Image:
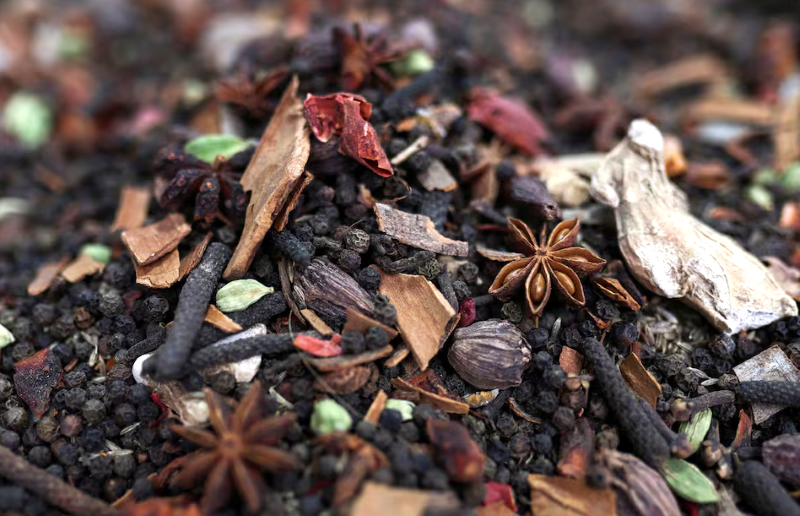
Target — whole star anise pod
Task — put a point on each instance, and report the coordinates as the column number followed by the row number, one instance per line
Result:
column 242, row 443
column 215, row 186
column 251, row 95
column 362, row 58
column 547, row 261
column 176, row 506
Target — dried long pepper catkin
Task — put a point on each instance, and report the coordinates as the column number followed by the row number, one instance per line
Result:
column 679, row 444
column 51, row 489
column 781, row 393
column 148, row 345
column 235, row 350
column 762, row 492
column 647, row 442
column 170, row 360
column 685, row 409
column 291, row 247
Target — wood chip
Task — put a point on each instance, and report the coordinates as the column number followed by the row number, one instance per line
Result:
column 743, row 429
column 219, row 320
column 437, row 177
column 424, row 316
column 698, row 69
column 161, row 274
column 786, row 134
column 398, row 356
column 344, row 361
column 132, row 210
column 498, row 256
column 359, row 322
column 283, row 217
column 772, row 364
column 45, row 276
column 377, row 406
column 431, row 391
column 149, row 243
column 570, row 360
column 273, row 176
column 559, row 496
column 518, row 410
column 81, row 267
column 417, row 231
column 395, row 501
column 731, row 110
column 640, row 380
column 317, row 323
column 191, row 260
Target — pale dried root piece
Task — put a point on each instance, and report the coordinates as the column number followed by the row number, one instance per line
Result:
column 674, row 254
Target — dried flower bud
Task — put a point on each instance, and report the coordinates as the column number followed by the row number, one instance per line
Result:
column 330, row 291
column 782, row 457
column 641, row 490
column 490, row 354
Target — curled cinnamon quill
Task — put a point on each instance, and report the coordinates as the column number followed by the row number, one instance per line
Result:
column 674, row 254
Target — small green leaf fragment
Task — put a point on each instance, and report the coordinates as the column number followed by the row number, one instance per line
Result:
column 404, row 407
column 239, row 294
column 416, row 62
column 697, row 428
column 765, row 177
column 790, row 180
column 688, row 482
column 6, row 337
column 28, row 117
column 761, row 196
column 99, row 252
column 209, row 146
column 329, row 416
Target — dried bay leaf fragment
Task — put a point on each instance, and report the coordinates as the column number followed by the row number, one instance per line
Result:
column 558, row 496
column 424, row 317
column 674, row 254
column 417, row 231
column 272, row 177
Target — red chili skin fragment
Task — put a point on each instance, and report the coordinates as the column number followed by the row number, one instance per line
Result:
column 467, row 310
column 319, row 347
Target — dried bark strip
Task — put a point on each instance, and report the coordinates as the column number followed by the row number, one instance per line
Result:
column 377, row 406
column 697, row 69
column 149, row 243
column 344, row 381
column 160, row 274
column 558, row 496
column 132, row 210
column 50, row 488
column 359, row 322
column 398, row 356
column 45, row 276
column 640, row 380
column 786, row 134
column 219, row 320
column 499, row 256
column 439, row 401
column 456, row 451
column 424, row 316
column 317, row 323
column 272, row 177
column 283, row 217
column 733, row 110
column 395, row 501
column 437, row 177
column 345, row 361
column 191, row 260
column 81, row 267
column 417, row 231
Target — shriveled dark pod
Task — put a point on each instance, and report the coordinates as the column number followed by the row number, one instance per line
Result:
column 490, row 354
column 169, row 361
column 329, row 291
column 779, row 393
column 647, row 442
column 404, row 265
column 762, row 492
column 532, row 193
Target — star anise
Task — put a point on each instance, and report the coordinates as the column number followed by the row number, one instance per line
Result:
column 251, row 95
column 241, row 444
column 362, row 58
column 547, row 261
column 175, row 506
column 215, row 185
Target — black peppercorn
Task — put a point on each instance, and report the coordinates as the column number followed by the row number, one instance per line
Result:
column 353, row 342
column 376, row 337
column 71, row 425
column 40, row 456
column 369, row 278
column 124, row 465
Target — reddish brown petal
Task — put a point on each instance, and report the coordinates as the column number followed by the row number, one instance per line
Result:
column 355, row 59
column 269, row 431
column 218, row 487
column 582, row 261
column 613, row 289
column 270, row 459
column 360, row 141
column 562, row 276
column 202, row 438
column 537, row 308
column 248, row 483
column 505, row 284
column 564, row 235
column 521, row 237
column 325, row 116
column 510, row 119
